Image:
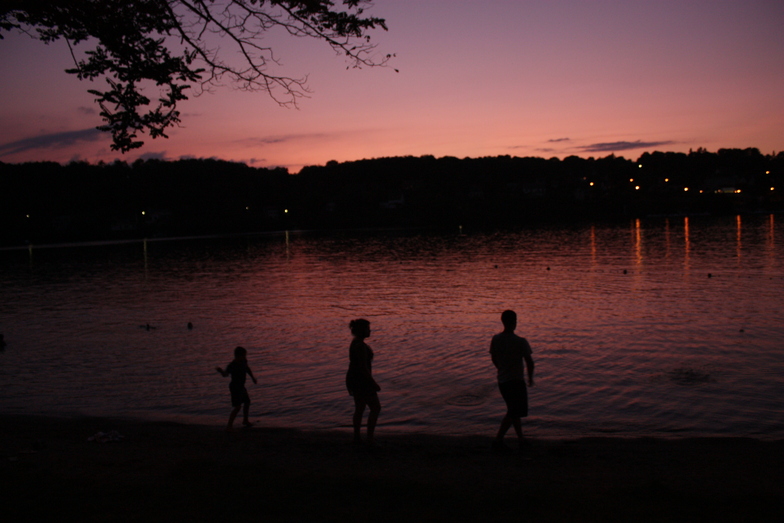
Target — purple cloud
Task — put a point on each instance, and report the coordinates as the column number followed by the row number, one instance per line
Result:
column 50, row 141
column 153, row 156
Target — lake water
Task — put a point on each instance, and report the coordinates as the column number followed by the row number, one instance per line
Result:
column 659, row 327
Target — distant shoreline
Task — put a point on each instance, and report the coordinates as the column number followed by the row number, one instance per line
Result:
column 327, row 232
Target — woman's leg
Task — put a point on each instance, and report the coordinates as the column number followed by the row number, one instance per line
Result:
column 375, row 409
column 359, row 409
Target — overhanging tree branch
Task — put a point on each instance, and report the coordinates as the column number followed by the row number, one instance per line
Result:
column 163, row 44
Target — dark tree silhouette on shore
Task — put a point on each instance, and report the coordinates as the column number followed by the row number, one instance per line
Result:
column 47, row 201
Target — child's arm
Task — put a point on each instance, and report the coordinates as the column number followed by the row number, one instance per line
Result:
column 250, row 373
column 221, row 372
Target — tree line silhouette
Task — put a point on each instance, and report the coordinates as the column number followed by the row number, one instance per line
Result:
column 49, row 202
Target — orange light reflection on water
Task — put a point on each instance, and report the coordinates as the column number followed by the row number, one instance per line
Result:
column 638, row 255
column 686, row 244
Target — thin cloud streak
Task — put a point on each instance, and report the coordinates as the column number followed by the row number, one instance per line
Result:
column 609, row 147
column 51, row 141
column 274, row 140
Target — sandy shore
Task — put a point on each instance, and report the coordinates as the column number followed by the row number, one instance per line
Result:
column 175, row 472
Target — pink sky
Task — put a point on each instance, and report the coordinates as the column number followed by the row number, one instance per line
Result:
column 477, row 78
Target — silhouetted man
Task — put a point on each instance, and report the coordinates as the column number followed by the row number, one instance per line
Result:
column 508, row 351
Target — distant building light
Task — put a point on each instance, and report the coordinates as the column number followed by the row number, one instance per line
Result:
column 591, row 184
column 631, row 180
column 143, row 213
column 685, row 188
column 639, row 165
column 636, row 187
column 285, row 211
column 737, row 191
column 666, row 180
column 767, row 172
column 772, row 188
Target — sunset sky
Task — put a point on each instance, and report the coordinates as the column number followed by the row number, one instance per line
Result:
column 476, row 78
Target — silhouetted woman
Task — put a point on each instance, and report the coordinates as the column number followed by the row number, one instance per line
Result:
column 360, row 382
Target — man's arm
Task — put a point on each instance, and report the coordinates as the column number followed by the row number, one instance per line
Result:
column 529, row 365
column 493, row 353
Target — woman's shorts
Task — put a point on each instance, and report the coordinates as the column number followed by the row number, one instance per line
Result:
column 515, row 395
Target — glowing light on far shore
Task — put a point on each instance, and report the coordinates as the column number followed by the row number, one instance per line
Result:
column 686, row 189
column 636, row 187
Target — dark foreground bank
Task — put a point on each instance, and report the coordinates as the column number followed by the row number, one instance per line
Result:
column 175, row 472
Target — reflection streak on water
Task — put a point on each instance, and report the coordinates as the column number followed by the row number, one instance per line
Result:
column 614, row 351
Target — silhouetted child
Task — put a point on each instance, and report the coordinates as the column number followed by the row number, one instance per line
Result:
column 237, row 369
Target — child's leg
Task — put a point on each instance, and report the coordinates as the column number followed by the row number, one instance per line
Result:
column 233, row 415
column 518, row 427
column 245, row 409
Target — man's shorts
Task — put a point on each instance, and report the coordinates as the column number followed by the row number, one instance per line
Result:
column 515, row 395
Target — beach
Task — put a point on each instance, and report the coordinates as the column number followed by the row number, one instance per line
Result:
column 98, row 469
